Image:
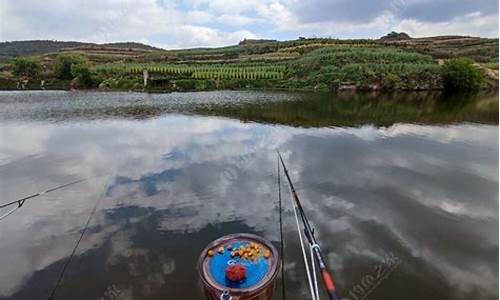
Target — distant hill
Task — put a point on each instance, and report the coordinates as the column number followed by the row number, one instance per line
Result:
column 483, row 50
column 444, row 47
column 34, row 47
column 255, row 41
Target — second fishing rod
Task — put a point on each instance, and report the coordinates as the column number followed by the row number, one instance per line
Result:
column 309, row 233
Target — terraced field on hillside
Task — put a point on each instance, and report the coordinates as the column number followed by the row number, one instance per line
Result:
column 311, row 64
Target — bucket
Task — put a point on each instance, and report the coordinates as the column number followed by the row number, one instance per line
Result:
column 258, row 259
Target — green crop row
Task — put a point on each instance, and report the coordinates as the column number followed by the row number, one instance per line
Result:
column 199, row 71
column 235, row 74
column 339, row 56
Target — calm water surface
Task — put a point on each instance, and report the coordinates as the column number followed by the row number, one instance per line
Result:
column 413, row 177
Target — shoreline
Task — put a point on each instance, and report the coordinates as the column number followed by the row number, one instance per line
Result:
column 276, row 90
column 159, row 91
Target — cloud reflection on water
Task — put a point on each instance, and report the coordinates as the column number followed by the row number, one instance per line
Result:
column 427, row 193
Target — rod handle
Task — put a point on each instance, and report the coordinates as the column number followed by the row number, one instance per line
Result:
column 330, row 286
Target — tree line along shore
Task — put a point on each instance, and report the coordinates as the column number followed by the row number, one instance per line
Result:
column 395, row 62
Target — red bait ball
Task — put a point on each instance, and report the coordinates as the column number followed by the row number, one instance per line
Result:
column 236, row 272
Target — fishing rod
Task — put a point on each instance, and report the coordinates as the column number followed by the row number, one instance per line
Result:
column 315, row 249
column 21, row 201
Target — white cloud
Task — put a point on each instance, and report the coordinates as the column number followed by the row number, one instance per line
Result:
column 202, row 23
column 234, row 6
column 474, row 24
column 199, row 17
column 111, row 21
column 236, row 20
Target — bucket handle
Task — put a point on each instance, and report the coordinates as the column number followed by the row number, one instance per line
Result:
column 226, row 296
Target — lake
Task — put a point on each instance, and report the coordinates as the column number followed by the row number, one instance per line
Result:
column 403, row 184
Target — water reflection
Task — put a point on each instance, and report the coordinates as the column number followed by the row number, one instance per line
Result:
column 306, row 109
column 171, row 184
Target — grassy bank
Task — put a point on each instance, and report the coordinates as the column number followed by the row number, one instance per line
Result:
column 304, row 64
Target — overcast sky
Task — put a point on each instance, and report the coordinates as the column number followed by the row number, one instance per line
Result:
column 197, row 23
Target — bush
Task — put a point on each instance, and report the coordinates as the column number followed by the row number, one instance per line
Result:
column 391, row 82
column 63, row 63
column 203, row 85
column 122, row 83
column 185, row 84
column 82, row 72
column 461, row 74
column 26, row 66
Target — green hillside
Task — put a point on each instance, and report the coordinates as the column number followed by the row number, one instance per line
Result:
column 394, row 62
column 9, row 50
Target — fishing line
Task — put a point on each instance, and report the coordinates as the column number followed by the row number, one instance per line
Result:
column 70, row 258
column 313, row 267
column 306, row 264
column 41, row 193
column 311, row 278
column 20, row 202
column 314, row 247
column 282, row 248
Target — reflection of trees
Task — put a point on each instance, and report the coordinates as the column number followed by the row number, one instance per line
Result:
column 127, row 112
column 317, row 110
column 295, row 109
